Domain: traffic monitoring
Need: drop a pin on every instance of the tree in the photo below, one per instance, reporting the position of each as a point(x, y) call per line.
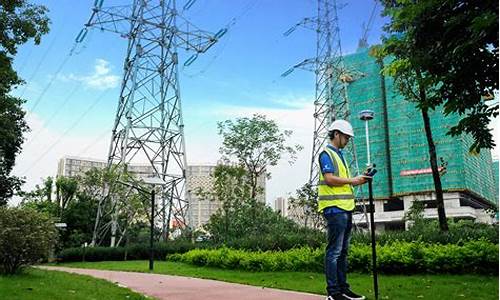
point(256, 143)
point(12, 127)
point(66, 188)
point(243, 222)
point(48, 182)
point(415, 214)
point(77, 203)
point(413, 84)
point(39, 199)
point(8, 186)
point(455, 46)
point(79, 217)
point(304, 206)
point(233, 191)
point(411, 77)
point(19, 22)
point(132, 207)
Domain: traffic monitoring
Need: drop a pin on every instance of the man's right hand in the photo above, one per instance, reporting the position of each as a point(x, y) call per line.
point(361, 179)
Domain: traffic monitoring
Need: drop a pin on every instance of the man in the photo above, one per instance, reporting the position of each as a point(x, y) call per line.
point(336, 203)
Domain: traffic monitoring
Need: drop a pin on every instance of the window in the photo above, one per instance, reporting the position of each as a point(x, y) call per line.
point(393, 205)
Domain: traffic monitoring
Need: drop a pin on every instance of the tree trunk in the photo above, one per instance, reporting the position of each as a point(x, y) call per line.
point(443, 224)
point(253, 178)
point(58, 195)
point(435, 172)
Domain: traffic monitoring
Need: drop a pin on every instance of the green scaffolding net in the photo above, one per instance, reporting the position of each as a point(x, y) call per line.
point(398, 144)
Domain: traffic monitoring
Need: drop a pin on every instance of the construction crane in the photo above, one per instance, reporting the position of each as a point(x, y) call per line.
point(148, 123)
point(365, 29)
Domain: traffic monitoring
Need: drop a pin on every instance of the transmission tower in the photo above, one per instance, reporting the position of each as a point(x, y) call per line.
point(148, 126)
point(332, 78)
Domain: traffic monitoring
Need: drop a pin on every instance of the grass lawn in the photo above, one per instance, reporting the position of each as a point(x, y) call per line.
point(53, 285)
point(399, 287)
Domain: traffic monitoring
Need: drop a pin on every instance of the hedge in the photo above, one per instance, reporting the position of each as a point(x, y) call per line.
point(459, 233)
point(429, 232)
point(268, 242)
point(479, 257)
point(132, 252)
point(300, 259)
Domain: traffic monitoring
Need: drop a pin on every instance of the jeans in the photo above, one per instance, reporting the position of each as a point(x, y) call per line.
point(339, 235)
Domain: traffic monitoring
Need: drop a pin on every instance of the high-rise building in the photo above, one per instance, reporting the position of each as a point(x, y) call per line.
point(199, 180)
point(200, 207)
point(72, 166)
point(400, 151)
point(281, 206)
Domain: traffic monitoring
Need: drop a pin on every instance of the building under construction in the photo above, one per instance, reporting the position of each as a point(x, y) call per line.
point(399, 149)
point(496, 175)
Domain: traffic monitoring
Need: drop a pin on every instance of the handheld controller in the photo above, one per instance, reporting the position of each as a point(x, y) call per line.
point(371, 171)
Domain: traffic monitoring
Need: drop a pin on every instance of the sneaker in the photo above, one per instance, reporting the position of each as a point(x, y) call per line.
point(337, 296)
point(348, 294)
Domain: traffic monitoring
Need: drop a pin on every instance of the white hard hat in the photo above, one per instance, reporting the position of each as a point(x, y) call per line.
point(342, 126)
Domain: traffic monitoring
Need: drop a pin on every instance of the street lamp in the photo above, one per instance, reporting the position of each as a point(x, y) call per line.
point(152, 181)
point(367, 115)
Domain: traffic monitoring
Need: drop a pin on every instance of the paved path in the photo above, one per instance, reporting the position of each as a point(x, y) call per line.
point(167, 287)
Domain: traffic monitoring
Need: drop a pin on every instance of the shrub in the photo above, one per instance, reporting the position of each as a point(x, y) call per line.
point(396, 258)
point(400, 257)
point(26, 237)
point(359, 257)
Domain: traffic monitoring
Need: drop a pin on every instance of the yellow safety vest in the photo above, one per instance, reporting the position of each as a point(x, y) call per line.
point(339, 196)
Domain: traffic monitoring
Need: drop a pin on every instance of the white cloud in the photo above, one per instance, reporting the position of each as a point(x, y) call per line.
point(40, 155)
point(292, 102)
point(100, 79)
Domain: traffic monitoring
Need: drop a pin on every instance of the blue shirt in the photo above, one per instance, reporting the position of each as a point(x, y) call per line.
point(325, 162)
point(326, 166)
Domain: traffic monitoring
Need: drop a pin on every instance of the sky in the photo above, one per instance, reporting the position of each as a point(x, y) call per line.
point(72, 99)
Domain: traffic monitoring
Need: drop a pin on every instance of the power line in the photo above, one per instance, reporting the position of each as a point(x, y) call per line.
point(246, 9)
point(59, 108)
point(54, 77)
point(44, 56)
point(77, 121)
point(59, 69)
point(26, 59)
point(74, 51)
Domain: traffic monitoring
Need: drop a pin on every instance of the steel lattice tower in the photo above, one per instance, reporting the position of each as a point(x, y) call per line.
point(148, 125)
point(331, 101)
point(332, 78)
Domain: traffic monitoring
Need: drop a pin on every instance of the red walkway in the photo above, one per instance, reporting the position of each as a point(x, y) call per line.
point(168, 287)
